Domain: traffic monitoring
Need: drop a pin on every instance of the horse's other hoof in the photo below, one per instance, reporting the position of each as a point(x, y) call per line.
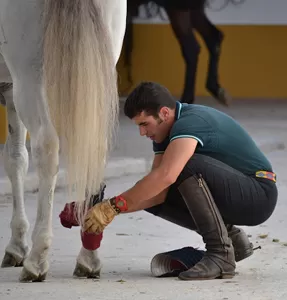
point(10, 260)
point(27, 276)
point(224, 97)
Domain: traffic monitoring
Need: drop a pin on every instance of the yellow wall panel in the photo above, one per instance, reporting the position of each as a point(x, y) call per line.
point(253, 62)
point(3, 125)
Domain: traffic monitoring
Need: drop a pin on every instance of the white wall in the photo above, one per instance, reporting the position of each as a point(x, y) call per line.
point(260, 12)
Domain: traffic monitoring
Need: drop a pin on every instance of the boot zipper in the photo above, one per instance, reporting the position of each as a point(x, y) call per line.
point(200, 183)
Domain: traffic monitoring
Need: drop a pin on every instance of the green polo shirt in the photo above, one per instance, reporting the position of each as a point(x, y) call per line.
point(219, 136)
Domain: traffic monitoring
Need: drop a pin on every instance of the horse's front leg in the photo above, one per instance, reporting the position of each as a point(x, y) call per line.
point(190, 50)
point(45, 148)
point(182, 27)
point(45, 153)
point(16, 165)
point(30, 102)
point(213, 39)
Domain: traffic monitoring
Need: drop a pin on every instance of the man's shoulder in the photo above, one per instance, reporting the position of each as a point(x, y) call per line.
point(193, 114)
point(200, 114)
point(198, 109)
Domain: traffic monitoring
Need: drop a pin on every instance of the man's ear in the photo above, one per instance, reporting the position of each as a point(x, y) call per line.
point(164, 113)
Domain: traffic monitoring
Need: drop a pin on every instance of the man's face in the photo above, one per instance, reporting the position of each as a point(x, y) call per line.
point(155, 129)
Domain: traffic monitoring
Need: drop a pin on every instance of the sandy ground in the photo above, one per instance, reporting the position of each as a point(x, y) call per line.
point(132, 240)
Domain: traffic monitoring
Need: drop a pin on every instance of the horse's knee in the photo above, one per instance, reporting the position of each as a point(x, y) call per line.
point(16, 160)
point(20, 226)
point(213, 43)
point(15, 152)
point(45, 148)
point(190, 48)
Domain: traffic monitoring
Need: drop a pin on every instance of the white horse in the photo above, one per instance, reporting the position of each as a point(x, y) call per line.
point(61, 57)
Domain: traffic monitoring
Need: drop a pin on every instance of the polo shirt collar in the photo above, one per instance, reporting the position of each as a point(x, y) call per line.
point(178, 110)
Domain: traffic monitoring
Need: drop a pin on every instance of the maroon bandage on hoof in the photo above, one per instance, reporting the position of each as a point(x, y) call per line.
point(91, 241)
point(67, 216)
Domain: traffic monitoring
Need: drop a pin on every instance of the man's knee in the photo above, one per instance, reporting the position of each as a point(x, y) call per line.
point(173, 200)
point(194, 166)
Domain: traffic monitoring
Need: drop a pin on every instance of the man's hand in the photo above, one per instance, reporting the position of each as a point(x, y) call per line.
point(98, 217)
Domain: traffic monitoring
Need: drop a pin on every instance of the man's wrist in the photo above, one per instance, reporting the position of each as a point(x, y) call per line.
point(119, 204)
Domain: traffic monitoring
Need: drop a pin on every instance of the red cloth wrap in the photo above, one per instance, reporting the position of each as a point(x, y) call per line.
point(67, 216)
point(90, 241)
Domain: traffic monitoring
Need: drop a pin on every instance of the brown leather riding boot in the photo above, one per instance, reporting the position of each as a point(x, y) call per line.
point(243, 248)
point(218, 260)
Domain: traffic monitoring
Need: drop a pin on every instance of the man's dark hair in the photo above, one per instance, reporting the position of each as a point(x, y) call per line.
point(149, 97)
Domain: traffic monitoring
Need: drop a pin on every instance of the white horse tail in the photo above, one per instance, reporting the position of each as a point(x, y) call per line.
point(81, 84)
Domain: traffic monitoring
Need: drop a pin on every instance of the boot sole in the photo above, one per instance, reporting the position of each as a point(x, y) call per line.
point(244, 254)
point(228, 275)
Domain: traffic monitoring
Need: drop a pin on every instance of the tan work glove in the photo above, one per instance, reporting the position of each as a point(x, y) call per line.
point(98, 217)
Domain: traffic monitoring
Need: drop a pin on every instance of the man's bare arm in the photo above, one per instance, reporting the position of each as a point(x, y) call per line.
point(160, 198)
point(159, 179)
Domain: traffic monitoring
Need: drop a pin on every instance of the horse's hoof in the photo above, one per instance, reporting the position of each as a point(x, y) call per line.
point(223, 97)
point(27, 276)
point(41, 278)
point(83, 272)
point(11, 260)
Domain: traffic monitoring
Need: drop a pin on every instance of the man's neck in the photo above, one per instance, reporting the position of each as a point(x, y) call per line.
point(171, 118)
